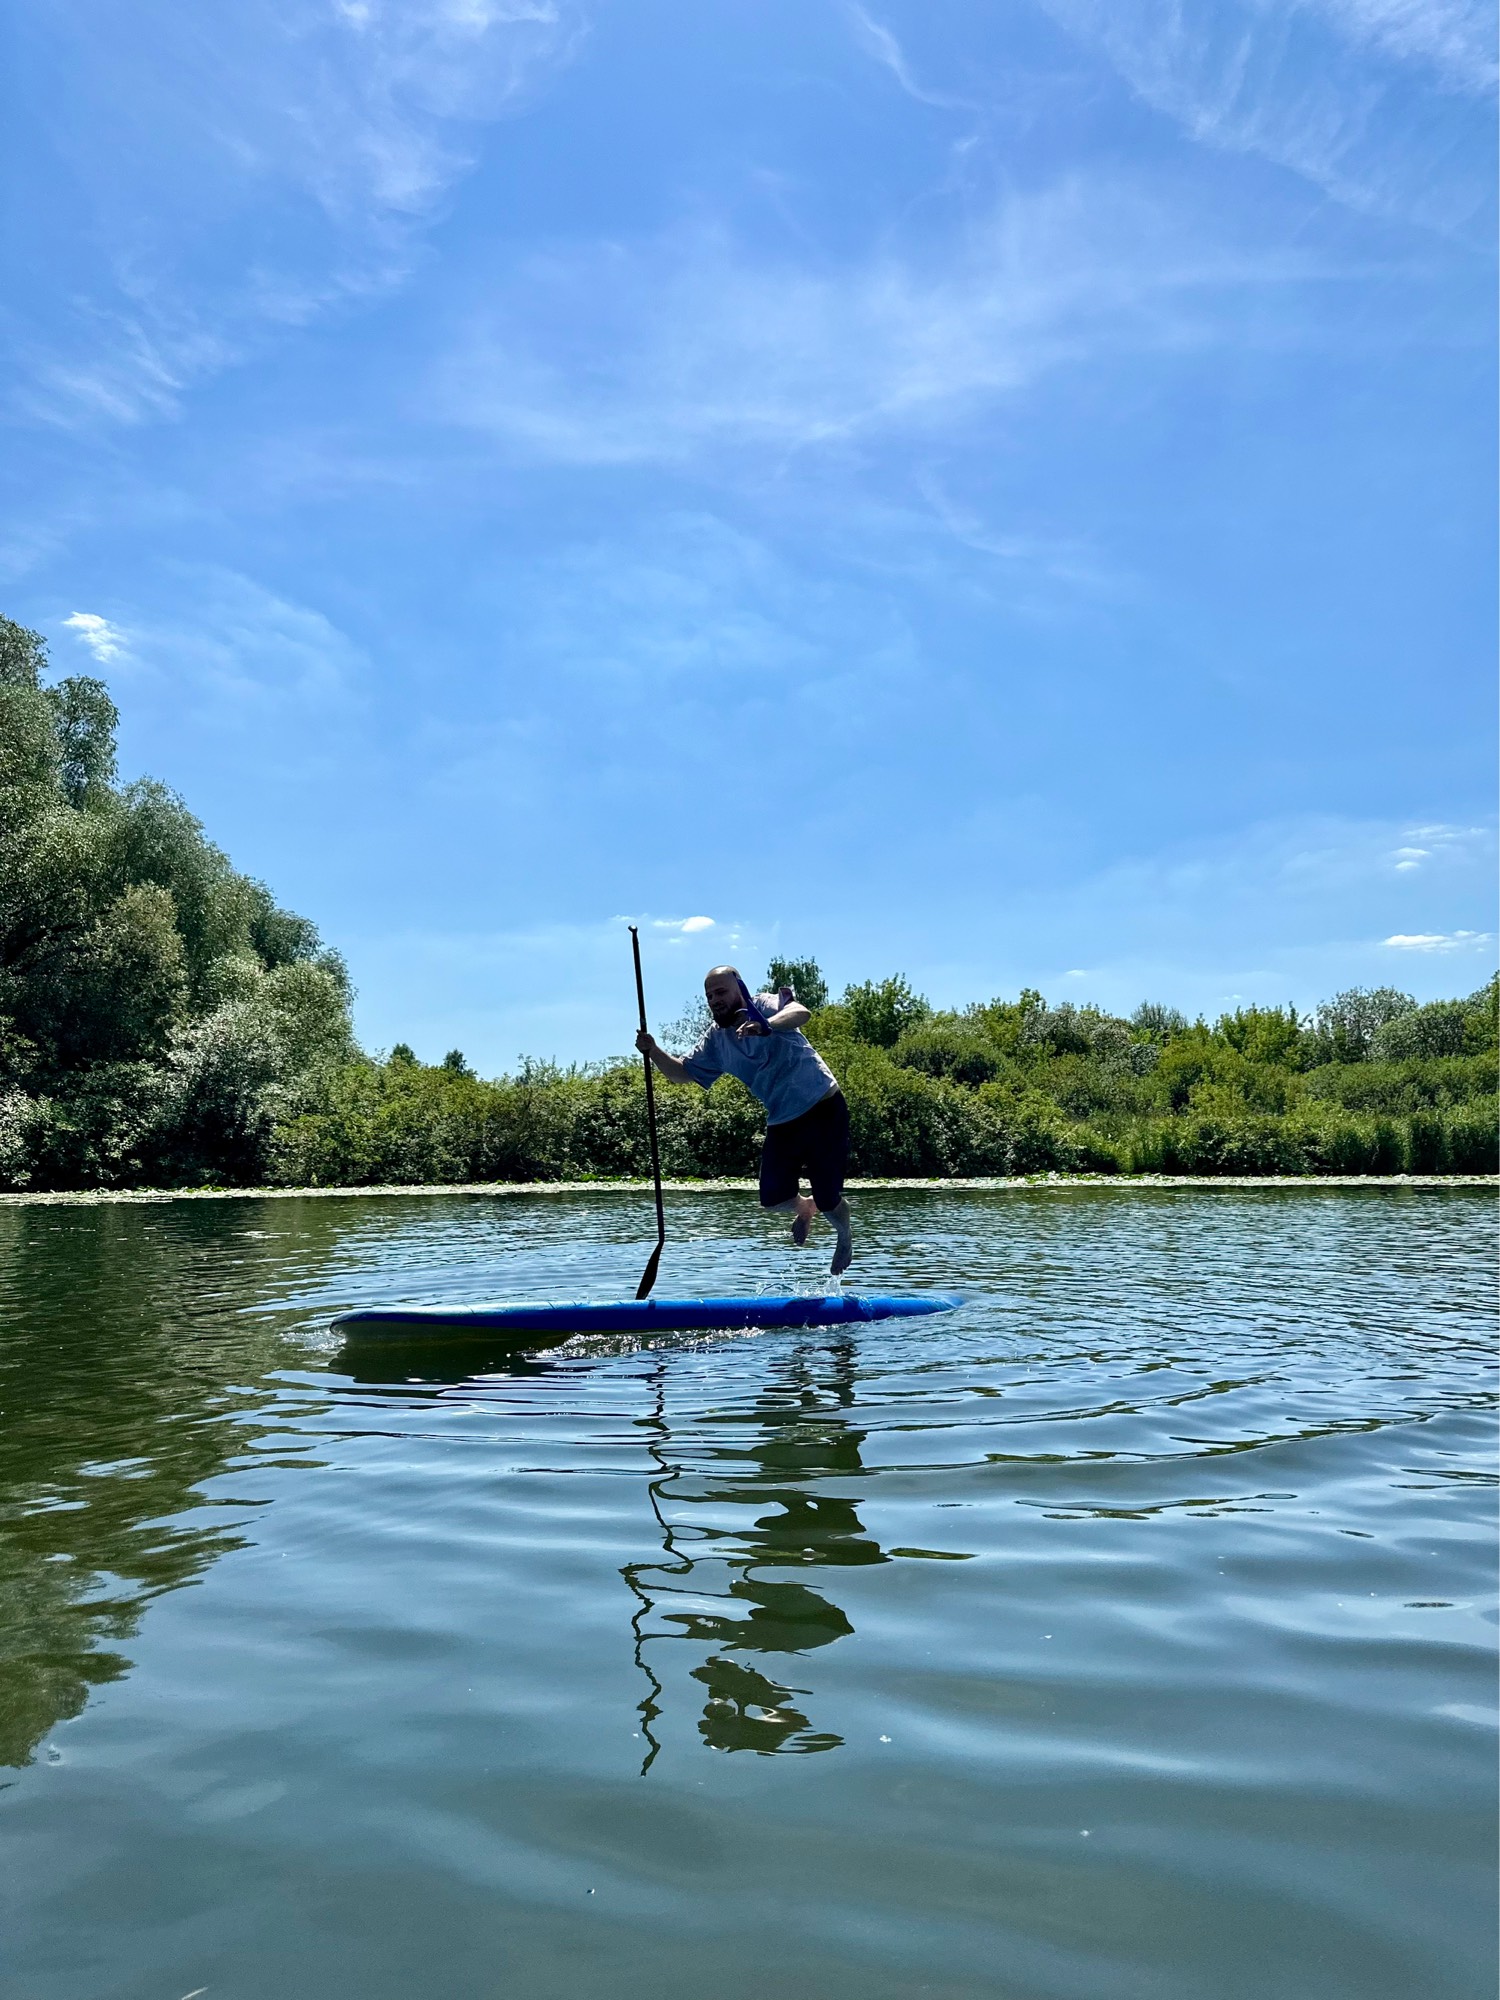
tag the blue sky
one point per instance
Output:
(997, 493)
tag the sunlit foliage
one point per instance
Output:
(1004, 1088)
(164, 1023)
(158, 1012)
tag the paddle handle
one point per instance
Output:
(661, 1214)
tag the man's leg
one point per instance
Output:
(827, 1162)
(778, 1180)
(801, 1207)
(843, 1229)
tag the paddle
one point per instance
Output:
(649, 1279)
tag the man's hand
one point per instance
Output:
(669, 1066)
(751, 1025)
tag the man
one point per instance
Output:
(807, 1120)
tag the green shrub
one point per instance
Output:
(1404, 1086)
(1473, 1144)
(1441, 1028)
(945, 1049)
(162, 1021)
(880, 1011)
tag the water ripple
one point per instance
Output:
(654, 1666)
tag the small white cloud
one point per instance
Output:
(877, 40)
(1078, 972)
(1442, 835)
(1407, 858)
(105, 641)
(1436, 940)
(684, 926)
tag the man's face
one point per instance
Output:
(721, 989)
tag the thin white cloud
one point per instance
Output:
(105, 641)
(1438, 940)
(1438, 843)
(878, 42)
(1063, 560)
(230, 642)
(701, 348)
(329, 132)
(1364, 98)
(1456, 38)
(134, 363)
(1443, 835)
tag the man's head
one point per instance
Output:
(721, 989)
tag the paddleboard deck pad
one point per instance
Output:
(531, 1323)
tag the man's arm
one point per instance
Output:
(792, 1015)
(669, 1066)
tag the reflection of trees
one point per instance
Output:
(802, 1437)
(121, 1345)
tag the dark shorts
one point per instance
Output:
(816, 1144)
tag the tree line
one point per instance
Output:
(163, 1022)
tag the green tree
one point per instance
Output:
(1345, 1026)
(1441, 1028)
(1265, 1034)
(158, 1011)
(804, 977)
(1153, 1022)
(880, 1011)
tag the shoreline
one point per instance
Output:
(1020, 1183)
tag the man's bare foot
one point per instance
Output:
(843, 1249)
(807, 1208)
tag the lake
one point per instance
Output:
(1128, 1633)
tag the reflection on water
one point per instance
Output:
(373, 1673)
(120, 1399)
(709, 1587)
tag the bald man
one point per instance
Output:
(807, 1120)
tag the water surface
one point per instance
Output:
(1129, 1633)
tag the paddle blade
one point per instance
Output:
(643, 1289)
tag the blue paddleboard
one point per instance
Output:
(529, 1323)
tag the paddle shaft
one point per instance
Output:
(649, 1277)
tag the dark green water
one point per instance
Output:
(1128, 1634)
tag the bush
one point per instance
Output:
(1438, 1029)
(1472, 1140)
(162, 1021)
(880, 1012)
(946, 1049)
(1154, 1023)
(1344, 1027)
(1404, 1087)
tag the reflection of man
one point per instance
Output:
(807, 1120)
